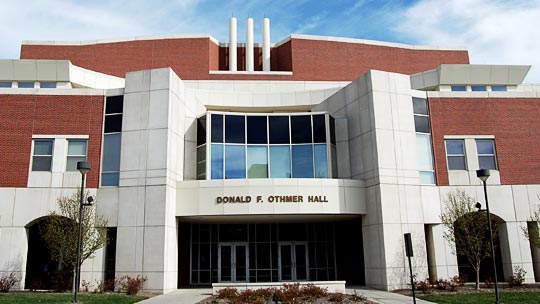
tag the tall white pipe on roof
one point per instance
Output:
(266, 44)
(232, 44)
(249, 45)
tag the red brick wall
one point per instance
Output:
(515, 123)
(25, 115)
(192, 58)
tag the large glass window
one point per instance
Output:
(423, 141)
(302, 161)
(267, 146)
(77, 149)
(235, 161)
(112, 140)
(455, 153)
(42, 156)
(280, 161)
(486, 154)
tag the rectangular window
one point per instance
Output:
(216, 161)
(321, 161)
(302, 161)
(42, 157)
(257, 161)
(280, 162)
(455, 152)
(279, 129)
(77, 149)
(486, 154)
(47, 85)
(498, 88)
(5, 84)
(459, 88)
(480, 88)
(26, 84)
(216, 127)
(256, 130)
(301, 126)
(112, 140)
(235, 161)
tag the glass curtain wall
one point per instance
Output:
(299, 145)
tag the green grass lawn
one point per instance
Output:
(57, 298)
(485, 298)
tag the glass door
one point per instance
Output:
(293, 262)
(233, 262)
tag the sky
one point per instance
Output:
(494, 31)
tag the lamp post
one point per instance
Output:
(83, 167)
(483, 175)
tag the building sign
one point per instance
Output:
(246, 199)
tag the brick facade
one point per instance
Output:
(515, 123)
(193, 58)
(25, 115)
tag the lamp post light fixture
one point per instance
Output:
(83, 167)
(483, 175)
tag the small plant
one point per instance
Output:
(423, 286)
(489, 282)
(441, 284)
(227, 293)
(108, 285)
(289, 293)
(310, 291)
(7, 282)
(336, 297)
(132, 286)
(518, 277)
(358, 298)
(86, 285)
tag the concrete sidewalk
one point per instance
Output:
(194, 295)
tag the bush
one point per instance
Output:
(132, 286)
(7, 282)
(227, 293)
(518, 277)
(441, 284)
(310, 291)
(108, 285)
(489, 282)
(358, 298)
(289, 293)
(423, 286)
(336, 297)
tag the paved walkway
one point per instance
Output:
(194, 295)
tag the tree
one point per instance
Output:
(61, 231)
(532, 231)
(467, 230)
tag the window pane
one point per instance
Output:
(332, 130)
(456, 162)
(235, 161)
(77, 147)
(41, 163)
(334, 161)
(26, 84)
(235, 130)
(301, 129)
(280, 162)
(72, 162)
(217, 161)
(421, 124)
(478, 88)
(113, 123)
(485, 147)
(257, 161)
(201, 131)
(279, 129)
(5, 84)
(47, 85)
(111, 152)
(256, 130)
(459, 88)
(302, 161)
(319, 128)
(423, 146)
(487, 162)
(427, 177)
(115, 104)
(321, 161)
(110, 179)
(43, 147)
(454, 147)
(217, 127)
(420, 106)
(498, 88)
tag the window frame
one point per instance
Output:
(50, 156)
(70, 140)
(464, 155)
(494, 155)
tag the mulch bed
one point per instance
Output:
(468, 289)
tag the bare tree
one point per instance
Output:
(467, 230)
(61, 231)
(532, 231)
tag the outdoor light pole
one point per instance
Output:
(83, 167)
(483, 175)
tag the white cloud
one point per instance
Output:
(494, 31)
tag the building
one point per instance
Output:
(307, 159)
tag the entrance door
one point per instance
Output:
(233, 262)
(293, 262)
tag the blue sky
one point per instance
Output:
(494, 31)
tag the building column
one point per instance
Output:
(515, 250)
